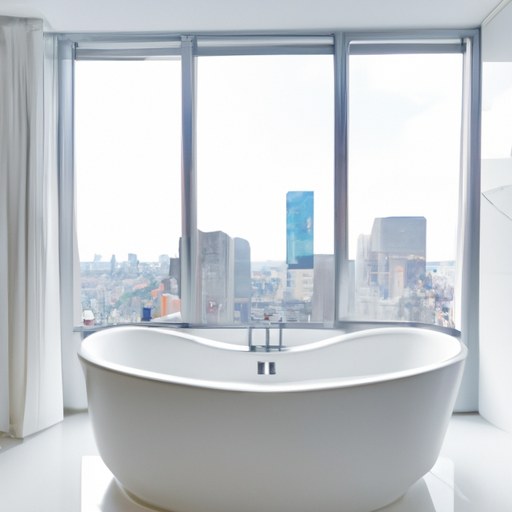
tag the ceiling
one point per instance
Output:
(250, 15)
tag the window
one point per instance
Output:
(404, 137)
(128, 169)
(227, 180)
(265, 132)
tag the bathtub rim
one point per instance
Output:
(87, 358)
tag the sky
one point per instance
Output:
(265, 126)
(404, 144)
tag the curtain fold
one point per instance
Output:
(30, 344)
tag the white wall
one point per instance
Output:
(496, 299)
(496, 224)
(497, 37)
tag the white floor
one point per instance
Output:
(43, 473)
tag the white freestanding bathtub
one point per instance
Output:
(345, 424)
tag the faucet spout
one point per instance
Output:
(267, 347)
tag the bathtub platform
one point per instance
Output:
(432, 493)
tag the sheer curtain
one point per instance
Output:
(30, 337)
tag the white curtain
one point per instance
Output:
(30, 337)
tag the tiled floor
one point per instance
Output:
(43, 472)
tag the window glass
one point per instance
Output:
(128, 166)
(265, 139)
(403, 186)
(265, 188)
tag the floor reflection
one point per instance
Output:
(432, 493)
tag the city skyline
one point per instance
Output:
(391, 280)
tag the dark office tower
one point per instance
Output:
(219, 282)
(390, 271)
(216, 253)
(398, 250)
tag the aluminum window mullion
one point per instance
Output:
(341, 263)
(66, 182)
(469, 225)
(127, 54)
(188, 257)
(264, 45)
(126, 46)
(264, 50)
(410, 37)
(404, 48)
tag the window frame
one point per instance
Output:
(466, 42)
(141, 46)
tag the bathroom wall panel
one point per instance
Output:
(496, 300)
(495, 395)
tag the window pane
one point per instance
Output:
(265, 140)
(404, 151)
(128, 165)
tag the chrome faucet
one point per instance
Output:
(264, 324)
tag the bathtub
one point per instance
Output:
(342, 424)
